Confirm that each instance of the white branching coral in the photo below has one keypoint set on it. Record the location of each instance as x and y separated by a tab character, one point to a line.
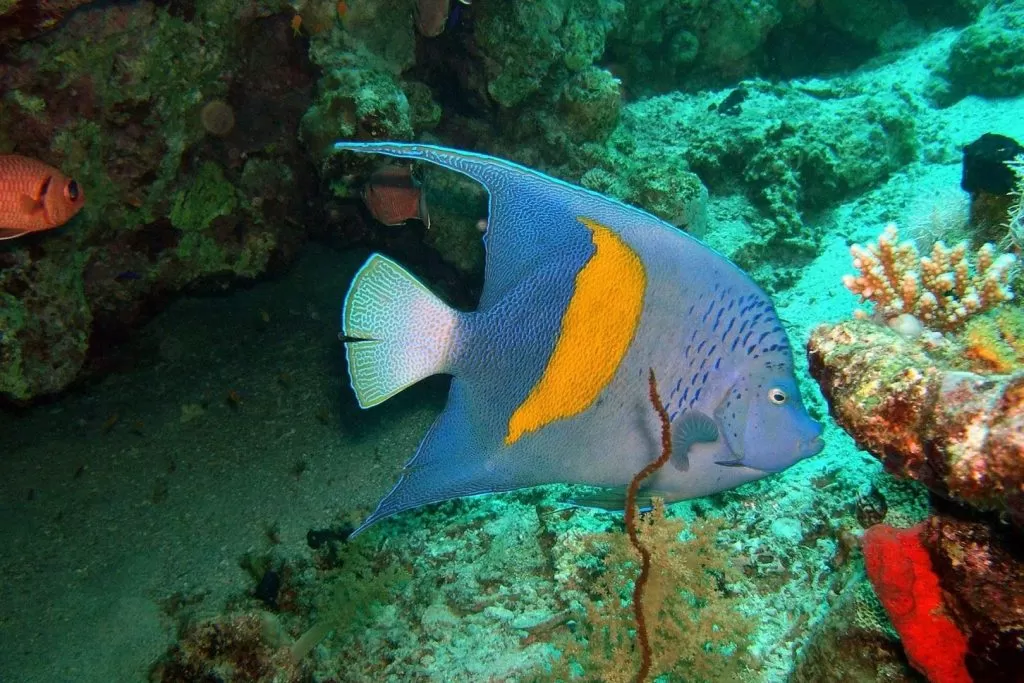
942	290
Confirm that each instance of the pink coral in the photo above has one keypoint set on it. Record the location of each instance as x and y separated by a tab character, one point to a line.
942	290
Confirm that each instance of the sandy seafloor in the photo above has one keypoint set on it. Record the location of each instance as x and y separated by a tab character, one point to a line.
150	482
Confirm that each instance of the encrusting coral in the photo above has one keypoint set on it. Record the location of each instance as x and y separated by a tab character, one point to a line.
942	291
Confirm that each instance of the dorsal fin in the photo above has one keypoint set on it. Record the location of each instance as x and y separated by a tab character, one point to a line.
527	224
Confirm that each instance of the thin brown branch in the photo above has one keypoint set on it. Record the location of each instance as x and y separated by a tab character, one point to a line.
642	636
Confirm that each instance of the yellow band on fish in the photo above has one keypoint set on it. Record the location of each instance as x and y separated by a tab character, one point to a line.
599	324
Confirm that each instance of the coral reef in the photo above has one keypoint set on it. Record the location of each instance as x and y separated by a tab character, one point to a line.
24	19
527	45
120	96
941	291
994	342
953	587
691	601
987	58
360	92
924	416
793	152
1015	216
631	514
246	647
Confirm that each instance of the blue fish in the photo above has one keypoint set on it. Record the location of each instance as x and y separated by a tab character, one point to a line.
582	296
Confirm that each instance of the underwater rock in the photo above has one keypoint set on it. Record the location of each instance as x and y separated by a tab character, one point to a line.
172	206
987	58
959	433
981	569
525	45
24	19
866	20
988	175
985	166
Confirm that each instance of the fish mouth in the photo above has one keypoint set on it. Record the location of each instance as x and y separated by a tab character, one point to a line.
735	463
805	448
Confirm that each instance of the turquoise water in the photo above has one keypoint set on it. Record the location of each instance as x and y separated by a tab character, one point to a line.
182	455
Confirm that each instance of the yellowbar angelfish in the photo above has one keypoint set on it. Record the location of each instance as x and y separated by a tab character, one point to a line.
582	295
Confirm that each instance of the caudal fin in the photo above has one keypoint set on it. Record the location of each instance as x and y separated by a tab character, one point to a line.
404	331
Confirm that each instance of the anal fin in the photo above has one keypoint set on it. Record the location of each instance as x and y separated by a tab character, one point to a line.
614	499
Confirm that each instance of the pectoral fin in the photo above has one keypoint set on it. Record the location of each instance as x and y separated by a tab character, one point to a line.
29	206
11	233
692	427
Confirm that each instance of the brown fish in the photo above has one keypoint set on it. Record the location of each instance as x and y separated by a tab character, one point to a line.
432	16
34	196
394	196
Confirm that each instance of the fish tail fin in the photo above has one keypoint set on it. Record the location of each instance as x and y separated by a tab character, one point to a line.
401	332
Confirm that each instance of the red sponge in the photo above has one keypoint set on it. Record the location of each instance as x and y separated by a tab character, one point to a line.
901	571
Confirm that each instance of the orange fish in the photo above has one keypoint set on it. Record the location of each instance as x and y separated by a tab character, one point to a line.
394	196
34	196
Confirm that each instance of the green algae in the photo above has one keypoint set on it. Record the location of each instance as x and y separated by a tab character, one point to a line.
33	105
57	289
209	196
13	381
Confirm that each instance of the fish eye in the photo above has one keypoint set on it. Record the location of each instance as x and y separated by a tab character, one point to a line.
777	396
73	191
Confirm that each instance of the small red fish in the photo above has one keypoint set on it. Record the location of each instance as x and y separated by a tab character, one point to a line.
34	196
394	196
